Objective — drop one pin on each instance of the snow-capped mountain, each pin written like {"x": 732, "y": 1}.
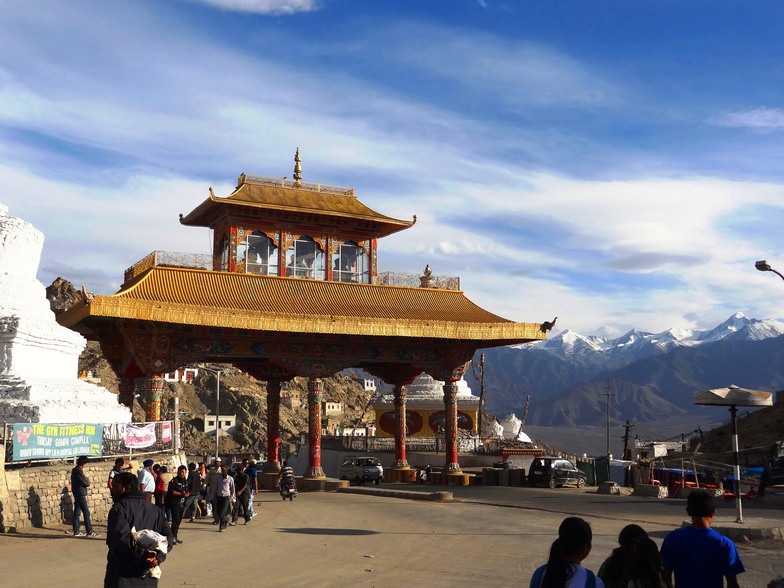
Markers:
{"x": 636, "y": 344}
{"x": 654, "y": 374}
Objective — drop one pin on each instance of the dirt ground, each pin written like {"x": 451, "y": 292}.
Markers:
{"x": 329, "y": 539}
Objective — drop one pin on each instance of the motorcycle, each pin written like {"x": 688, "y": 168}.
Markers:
{"x": 288, "y": 488}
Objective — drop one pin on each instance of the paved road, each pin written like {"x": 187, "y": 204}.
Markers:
{"x": 488, "y": 537}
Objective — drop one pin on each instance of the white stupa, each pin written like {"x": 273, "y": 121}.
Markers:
{"x": 38, "y": 357}
{"x": 512, "y": 430}
{"x": 425, "y": 392}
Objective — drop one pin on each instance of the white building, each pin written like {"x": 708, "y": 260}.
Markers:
{"x": 226, "y": 424}
{"x": 184, "y": 375}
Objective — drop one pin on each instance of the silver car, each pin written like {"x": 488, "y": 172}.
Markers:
{"x": 361, "y": 469}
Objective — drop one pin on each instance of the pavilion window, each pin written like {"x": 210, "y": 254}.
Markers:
{"x": 350, "y": 264}
{"x": 304, "y": 259}
{"x": 257, "y": 254}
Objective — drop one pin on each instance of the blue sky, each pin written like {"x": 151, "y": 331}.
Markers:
{"x": 617, "y": 164}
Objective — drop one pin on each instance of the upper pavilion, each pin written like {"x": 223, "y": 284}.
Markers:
{"x": 279, "y": 227}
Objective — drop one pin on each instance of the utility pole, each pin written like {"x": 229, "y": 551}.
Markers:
{"x": 627, "y": 453}
{"x": 481, "y": 391}
{"x": 525, "y": 414}
{"x": 176, "y": 444}
{"x": 608, "y": 394}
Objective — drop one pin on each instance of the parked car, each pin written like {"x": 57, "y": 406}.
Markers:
{"x": 554, "y": 471}
{"x": 361, "y": 469}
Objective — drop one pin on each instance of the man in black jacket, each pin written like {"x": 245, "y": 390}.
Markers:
{"x": 127, "y": 563}
{"x": 176, "y": 494}
{"x": 79, "y": 484}
{"x": 242, "y": 488}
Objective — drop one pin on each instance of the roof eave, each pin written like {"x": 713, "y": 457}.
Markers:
{"x": 489, "y": 334}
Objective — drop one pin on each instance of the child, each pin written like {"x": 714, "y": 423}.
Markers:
{"x": 563, "y": 569}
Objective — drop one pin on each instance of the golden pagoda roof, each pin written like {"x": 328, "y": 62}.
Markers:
{"x": 260, "y": 193}
{"x": 271, "y": 303}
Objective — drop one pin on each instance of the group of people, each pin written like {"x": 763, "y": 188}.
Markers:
{"x": 696, "y": 555}
{"x": 196, "y": 489}
{"x": 231, "y": 497}
{"x": 201, "y": 491}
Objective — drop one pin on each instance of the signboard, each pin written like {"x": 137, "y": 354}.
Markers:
{"x": 166, "y": 431}
{"x": 56, "y": 441}
{"x": 139, "y": 436}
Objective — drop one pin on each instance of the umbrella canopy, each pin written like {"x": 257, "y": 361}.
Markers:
{"x": 733, "y": 396}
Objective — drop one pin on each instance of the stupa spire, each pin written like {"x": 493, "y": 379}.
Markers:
{"x": 297, "y": 170}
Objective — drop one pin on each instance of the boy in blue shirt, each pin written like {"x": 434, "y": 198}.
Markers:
{"x": 699, "y": 556}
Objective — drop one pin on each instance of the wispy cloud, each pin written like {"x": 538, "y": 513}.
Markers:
{"x": 464, "y": 64}
{"x": 263, "y": 6}
{"x": 758, "y": 119}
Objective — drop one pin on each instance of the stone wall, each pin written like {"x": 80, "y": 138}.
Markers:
{"x": 40, "y": 496}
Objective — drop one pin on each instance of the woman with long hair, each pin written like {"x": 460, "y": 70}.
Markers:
{"x": 563, "y": 569}
{"x": 644, "y": 566}
{"x": 613, "y": 570}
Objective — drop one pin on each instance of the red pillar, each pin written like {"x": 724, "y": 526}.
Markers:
{"x": 400, "y": 428}
{"x": 154, "y": 389}
{"x": 450, "y": 427}
{"x": 273, "y": 426}
{"x": 315, "y": 391}
{"x": 127, "y": 389}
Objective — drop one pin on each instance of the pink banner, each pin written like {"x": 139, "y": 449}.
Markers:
{"x": 139, "y": 436}
{"x": 166, "y": 431}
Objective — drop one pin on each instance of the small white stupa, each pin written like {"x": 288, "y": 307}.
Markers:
{"x": 39, "y": 358}
{"x": 512, "y": 428}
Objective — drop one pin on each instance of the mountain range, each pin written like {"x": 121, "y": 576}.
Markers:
{"x": 649, "y": 376}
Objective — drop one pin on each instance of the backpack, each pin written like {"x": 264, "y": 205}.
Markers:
{"x": 536, "y": 579}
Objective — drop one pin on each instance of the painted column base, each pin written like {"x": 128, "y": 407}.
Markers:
{"x": 400, "y": 475}
{"x": 315, "y": 473}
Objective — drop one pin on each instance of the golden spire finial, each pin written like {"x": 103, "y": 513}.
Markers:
{"x": 297, "y": 170}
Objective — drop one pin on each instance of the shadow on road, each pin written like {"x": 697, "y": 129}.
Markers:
{"x": 346, "y": 532}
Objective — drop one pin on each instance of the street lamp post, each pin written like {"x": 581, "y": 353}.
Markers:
{"x": 764, "y": 266}
{"x": 217, "y": 408}
{"x": 733, "y": 396}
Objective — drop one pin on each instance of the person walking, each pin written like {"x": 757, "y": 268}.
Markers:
{"x": 164, "y": 477}
{"x": 225, "y": 496}
{"x": 176, "y": 493}
{"x": 213, "y": 482}
{"x": 253, "y": 485}
{"x": 147, "y": 480}
{"x": 119, "y": 467}
{"x": 128, "y": 565}
{"x": 242, "y": 492}
{"x": 697, "y": 555}
{"x": 79, "y": 485}
{"x": 563, "y": 569}
{"x": 205, "y": 507}
{"x": 194, "y": 491}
